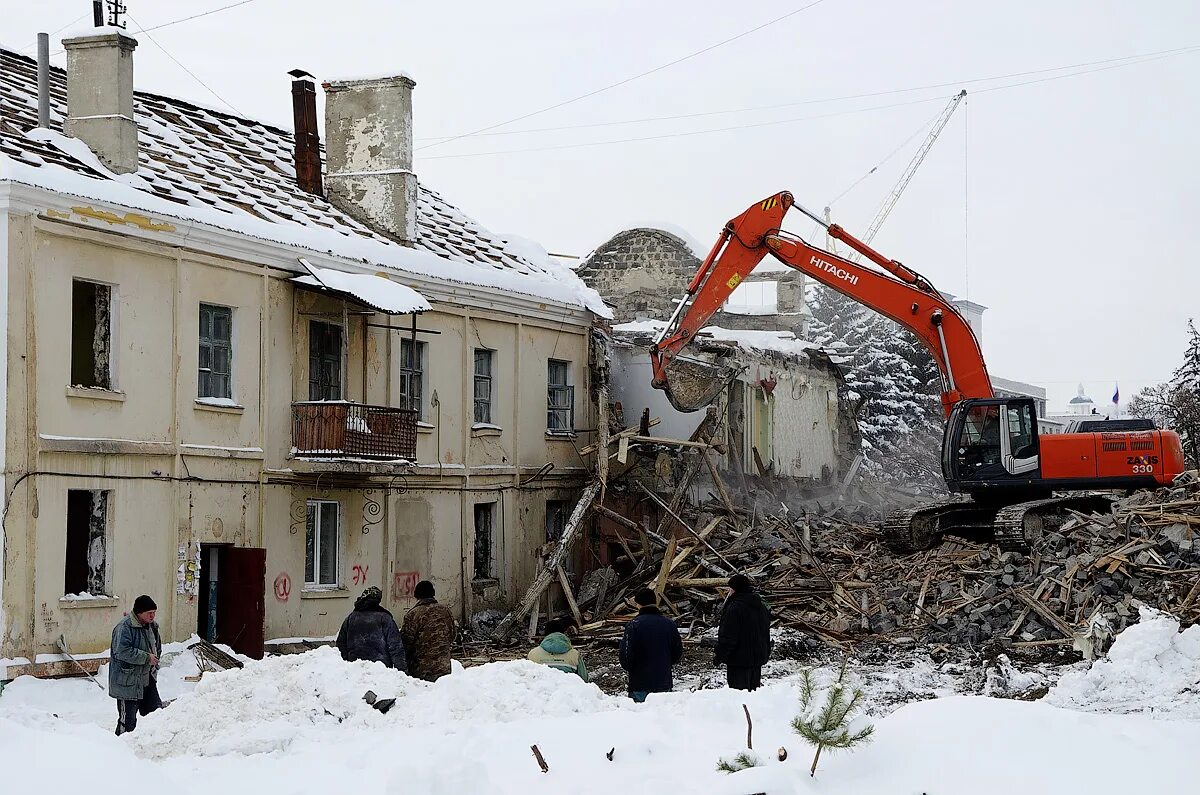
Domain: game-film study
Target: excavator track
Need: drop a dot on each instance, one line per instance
(922, 526)
(1017, 526)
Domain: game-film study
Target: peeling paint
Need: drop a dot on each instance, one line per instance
(128, 219)
(57, 214)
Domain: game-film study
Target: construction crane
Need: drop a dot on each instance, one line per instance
(894, 196)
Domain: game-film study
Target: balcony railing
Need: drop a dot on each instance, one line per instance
(335, 429)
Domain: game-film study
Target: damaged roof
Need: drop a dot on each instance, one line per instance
(233, 173)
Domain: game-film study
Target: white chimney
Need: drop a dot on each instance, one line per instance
(369, 153)
(100, 97)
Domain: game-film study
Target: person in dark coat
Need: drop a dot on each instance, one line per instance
(370, 633)
(649, 647)
(133, 664)
(744, 636)
(428, 634)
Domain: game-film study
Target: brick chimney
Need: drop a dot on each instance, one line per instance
(100, 97)
(369, 153)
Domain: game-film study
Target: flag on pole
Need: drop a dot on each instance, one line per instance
(1116, 394)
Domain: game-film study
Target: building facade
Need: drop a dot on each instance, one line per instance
(249, 400)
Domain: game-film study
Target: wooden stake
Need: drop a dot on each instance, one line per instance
(537, 754)
(570, 597)
(665, 569)
(749, 728)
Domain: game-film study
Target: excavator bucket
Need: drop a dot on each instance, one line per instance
(693, 384)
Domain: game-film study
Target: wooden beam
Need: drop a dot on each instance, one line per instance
(722, 491)
(544, 577)
(665, 569)
(685, 526)
(570, 597)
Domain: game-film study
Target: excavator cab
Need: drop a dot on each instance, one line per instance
(991, 443)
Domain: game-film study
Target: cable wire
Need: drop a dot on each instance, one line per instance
(179, 63)
(868, 95)
(627, 80)
(79, 18)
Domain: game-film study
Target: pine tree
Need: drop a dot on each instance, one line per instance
(894, 384)
(827, 716)
(1176, 403)
(742, 761)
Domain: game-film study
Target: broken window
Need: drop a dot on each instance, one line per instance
(557, 512)
(87, 543)
(321, 544)
(324, 361)
(483, 385)
(560, 397)
(216, 352)
(91, 334)
(484, 540)
(412, 371)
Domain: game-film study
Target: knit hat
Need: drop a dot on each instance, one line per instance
(424, 590)
(143, 604)
(371, 597)
(645, 597)
(740, 583)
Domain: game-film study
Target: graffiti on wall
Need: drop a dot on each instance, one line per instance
(360, 574)
(403, 584)
(283, 587)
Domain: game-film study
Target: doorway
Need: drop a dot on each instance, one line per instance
(232, 605)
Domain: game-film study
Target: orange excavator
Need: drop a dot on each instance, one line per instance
(991, 448)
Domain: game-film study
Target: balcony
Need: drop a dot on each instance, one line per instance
(336, 429)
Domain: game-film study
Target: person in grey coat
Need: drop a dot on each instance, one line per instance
(133, 664)
(370, 633)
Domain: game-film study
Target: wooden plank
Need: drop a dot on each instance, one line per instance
(665, 569)
(623, 450)
(591, 448)
(685, 526)
(544, 577)
(1043, 611)
(722, 491)
(570, 597)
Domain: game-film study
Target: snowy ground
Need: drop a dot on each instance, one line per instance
(297, 724)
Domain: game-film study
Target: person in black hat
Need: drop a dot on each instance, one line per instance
(370, 633)
(744, 635)
(649, 647)
(133, 664)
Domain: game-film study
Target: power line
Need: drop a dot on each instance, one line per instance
(79, 18)
(166, 25)
(881, 163)
(685, 134)
(664, 136)
(179, 63)
(627, 80)
(868, 95)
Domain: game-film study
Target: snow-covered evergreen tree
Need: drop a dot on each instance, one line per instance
(1176, 404)
(828, 716)
(894, 383)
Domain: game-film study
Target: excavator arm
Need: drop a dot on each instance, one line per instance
(898, 293)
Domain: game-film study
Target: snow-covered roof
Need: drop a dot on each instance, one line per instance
(217, 169)
(784, 342)
(374, 290)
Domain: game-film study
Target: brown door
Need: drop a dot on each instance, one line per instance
(241, 609)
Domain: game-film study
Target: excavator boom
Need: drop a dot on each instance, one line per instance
(897, 292)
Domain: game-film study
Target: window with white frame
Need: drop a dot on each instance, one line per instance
(412, 376)
(483, 385)
(215, 354)
(92, 325)
(560, 414)
(322, 544)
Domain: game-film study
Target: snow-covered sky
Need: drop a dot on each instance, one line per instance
(1067, 206)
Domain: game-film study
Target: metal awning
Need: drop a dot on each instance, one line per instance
(374, 291)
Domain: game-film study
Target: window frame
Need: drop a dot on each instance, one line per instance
(313, 508)
(107, 585)
(212, 342)
(412, 368)
(487, 509)
(562, 411)
(316, 357)
(113, 329)
(489, 356)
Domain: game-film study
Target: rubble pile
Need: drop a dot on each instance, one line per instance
(832, 576)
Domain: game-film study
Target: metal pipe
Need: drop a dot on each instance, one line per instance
(937, 324)
(43, 80)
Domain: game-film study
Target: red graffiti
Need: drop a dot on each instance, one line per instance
(360, 574)
(403, 584)
(283, 587)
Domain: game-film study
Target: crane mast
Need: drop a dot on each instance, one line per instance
(894, 196)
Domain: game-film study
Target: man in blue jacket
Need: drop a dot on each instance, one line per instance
(133, 664)
(370, 633)
(649, 647)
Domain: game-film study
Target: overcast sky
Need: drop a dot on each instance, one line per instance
(1067, 206)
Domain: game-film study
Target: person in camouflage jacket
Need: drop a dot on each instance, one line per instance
(428, 632)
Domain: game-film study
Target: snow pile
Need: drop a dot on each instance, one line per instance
(1152, 667)
(269, 705)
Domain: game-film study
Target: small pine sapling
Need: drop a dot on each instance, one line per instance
(742, 761)
(827, 716)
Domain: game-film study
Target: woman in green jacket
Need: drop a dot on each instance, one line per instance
(556, 650)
